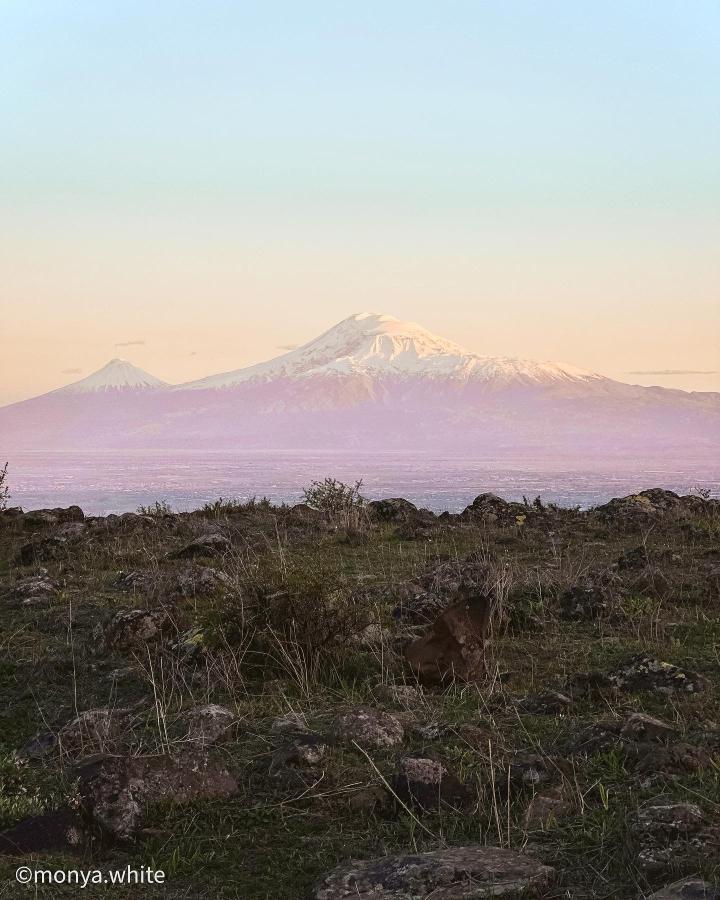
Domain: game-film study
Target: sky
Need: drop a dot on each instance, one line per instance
(196, 186)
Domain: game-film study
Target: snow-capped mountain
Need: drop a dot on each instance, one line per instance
(372, 382)
(117, 375)
(378, 346)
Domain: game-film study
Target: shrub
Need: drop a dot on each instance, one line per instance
(4, 491)
(343, 504)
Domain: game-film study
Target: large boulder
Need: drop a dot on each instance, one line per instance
(115, 790)
(458, 873)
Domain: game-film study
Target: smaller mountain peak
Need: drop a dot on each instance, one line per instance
(116, 375)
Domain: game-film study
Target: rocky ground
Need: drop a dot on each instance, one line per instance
(225, 695)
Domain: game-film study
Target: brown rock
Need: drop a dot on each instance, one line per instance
(454, 647)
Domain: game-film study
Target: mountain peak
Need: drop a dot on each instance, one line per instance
(116, 375)
(377, 346)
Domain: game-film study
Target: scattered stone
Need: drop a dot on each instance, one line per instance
(670, 819)
(592, 597)
(208, 724)
(369, 728)
(641, 727)
(304, 751)
(71, 531)
(35, 589)
(457, 873)
(206, 545)
(115, 790)
(289, 723)
(550, 702)
(395, 509)
(426, 783)
(133, 628)
(645, 673)
(200, 581)
(687, 889)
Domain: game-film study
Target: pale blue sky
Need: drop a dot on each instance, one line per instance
(531, 178)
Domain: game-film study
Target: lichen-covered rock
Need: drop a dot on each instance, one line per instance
(133, 628)
(369, 728)
(115, 790)
(303, 751)
(645, 673)
(208, 724)
(34, 589)
(592, 597)
(457, 873)
(426, 783)
(670, 819)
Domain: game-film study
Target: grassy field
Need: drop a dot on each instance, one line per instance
(304, 611)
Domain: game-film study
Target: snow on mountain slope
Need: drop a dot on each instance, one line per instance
(117, 375)
(374, 345)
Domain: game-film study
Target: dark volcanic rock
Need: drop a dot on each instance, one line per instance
(458, 873)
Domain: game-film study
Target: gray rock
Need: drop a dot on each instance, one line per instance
(645, 673)
(458, 873)
(641, 727)
(133, 628)
(115, 790)
(687, 889)
(670, 819)
(206, 545)
(304, 751)
(92, 731)
(289, 723)
(208, 724)
(370, 728)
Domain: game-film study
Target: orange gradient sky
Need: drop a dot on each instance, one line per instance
(194, 188)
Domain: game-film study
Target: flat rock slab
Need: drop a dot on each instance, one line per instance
(458, 873)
